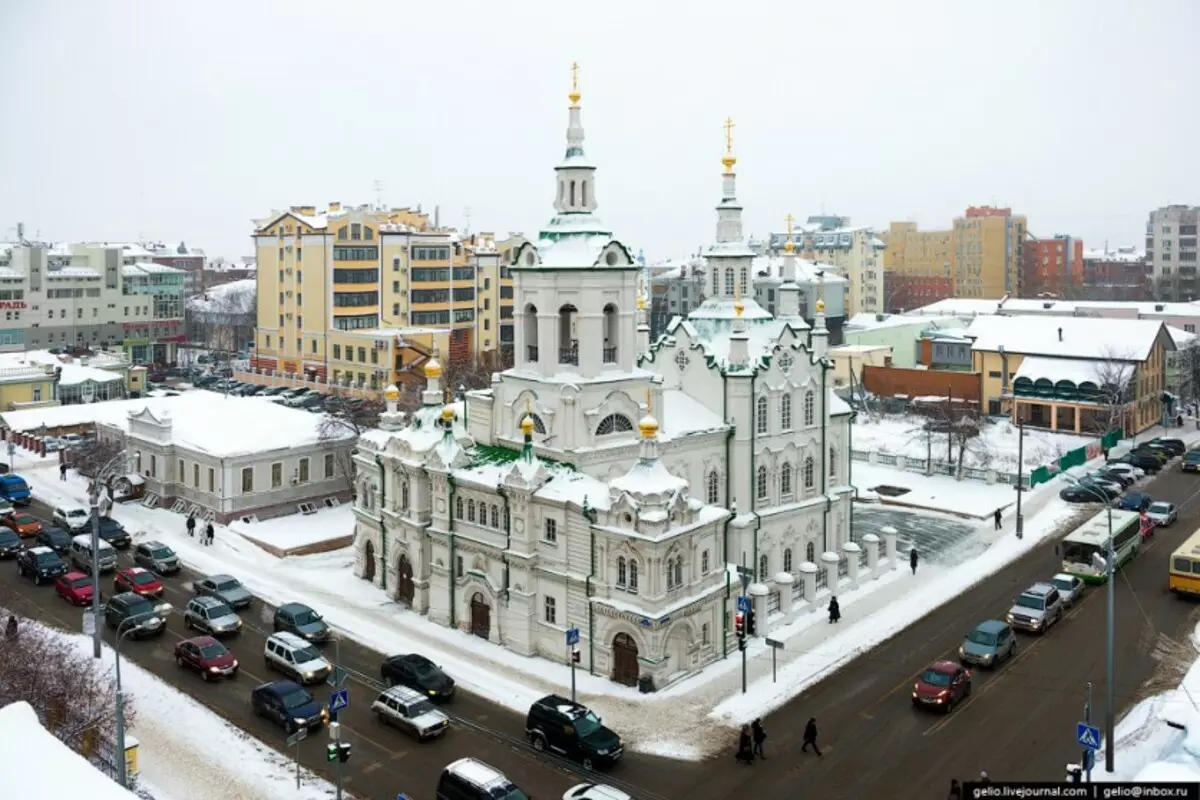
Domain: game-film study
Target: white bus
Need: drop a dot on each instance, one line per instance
(1084, 550)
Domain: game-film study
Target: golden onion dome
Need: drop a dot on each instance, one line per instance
(433, 369)
(739, 307)
(648, 426)
(391, 393)
(527, 425)
(448, 413)
(820, 306)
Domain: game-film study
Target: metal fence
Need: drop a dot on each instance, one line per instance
(798, 589)
(773, 603)
(843, 567)
(863, 558)
(820, 577)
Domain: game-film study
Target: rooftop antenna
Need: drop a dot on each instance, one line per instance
(378, 194)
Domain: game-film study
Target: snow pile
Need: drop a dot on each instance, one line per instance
(38, 760)
(995, 448)
(229, 299)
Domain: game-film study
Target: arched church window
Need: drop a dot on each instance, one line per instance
(404, 496)
(714, 488)
(529, 329)
(832, 463)
(761, 483)
(670, 574)
(785, 478)
(809, 408)
(572, 194)
(583, 201)
(704, 562)
(742, 280)
(458, 507)
(678, 571)
(633, 576)
(764, 571)
(495, 516)
(760, 414)
(729, 281)
(810, 553)
(785, 412)
(621, 575)
(614, 423)
(808, 472)
(716, 282)
(470, 511)
(787, 560)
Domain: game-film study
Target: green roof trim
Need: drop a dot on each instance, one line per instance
(498, 455)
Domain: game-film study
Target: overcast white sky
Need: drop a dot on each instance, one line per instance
(184, 120)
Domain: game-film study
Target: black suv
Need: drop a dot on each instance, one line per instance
(40, 563)
(572, 730)
(418, 672)
(56, 539)
(114, 533)
(1176, 446)
(145, 615)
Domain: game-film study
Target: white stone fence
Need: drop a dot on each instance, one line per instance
(785, 596)
(937, 467)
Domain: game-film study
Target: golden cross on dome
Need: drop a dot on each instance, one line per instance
(649, 401)
(528, 406)
(729, 135)
(575, 95)
(790, 219)
(789, 246)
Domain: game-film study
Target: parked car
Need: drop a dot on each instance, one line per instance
(15, 490)
(225, 588)
(275, 391)
(212, 616)
(417, 672)
(301, 620)
(156, 557)
(138, 580)
(595, 791)
(73, 518)
(410, 711)
(1163, 513)
(1146, 462)
(24, 524)
(1191, 461)
(76, 588)
(988, 644)
(942, 685)
(1135, 501)
(114, 533)
(56, 539)
(1176, 446)
(1075, 494)
(1114, 476)
(1137, 473)
(573, 730)
(1159, 451)
(132, 610)
(10, 543)
(1102, 490)
(289, 704)
(207, 656)
(1070, 588)
(41, 564)
(1037, 608)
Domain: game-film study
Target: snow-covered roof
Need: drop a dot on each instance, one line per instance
(1121, 254)
(235, 297)
(423, 434)
(220, 425)
(239, 265)
(577, 488)
(1076, 370)
(1082, 337)
(957, 306)
(714, 335)
(49, 762)
(142, 269)
(722, 308)
(649, 477)
(683, 415)
(74, 372)
(572, 251)
(965, 307)
(771, 268)
(870, 322)
(72, 272)
(1181, 337)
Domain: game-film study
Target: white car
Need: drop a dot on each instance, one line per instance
(6, 509)
(595, 791)
(1069, 586)
(1164, 514)
(1128, 469)
(72, 518)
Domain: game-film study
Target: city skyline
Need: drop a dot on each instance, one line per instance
(179, 140)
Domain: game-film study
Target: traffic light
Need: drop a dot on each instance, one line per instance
(739, 624)
(742, 643)
(337, 751)
(575, 656)
(750, 627)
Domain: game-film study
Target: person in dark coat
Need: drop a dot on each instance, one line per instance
(745, 751)
(996, 516)
(983, 777)
(10, 632)
(62, 471)
(955, 791)
(835, 610)
(912, 560)
(191, 524)
(209, 534)
(810, 737)
(759, 736)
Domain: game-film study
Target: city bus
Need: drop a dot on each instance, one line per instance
(1083, 550)
(1184, 576)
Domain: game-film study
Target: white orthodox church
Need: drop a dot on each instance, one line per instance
(606, 483)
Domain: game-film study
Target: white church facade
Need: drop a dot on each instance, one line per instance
(611, 484)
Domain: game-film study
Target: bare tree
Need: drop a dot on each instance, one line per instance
(961, 425)
(460, 376)
(223, 318)
(101, 459)
(74, 695)
(347, 416)
(1114, 379)
(1187, 370)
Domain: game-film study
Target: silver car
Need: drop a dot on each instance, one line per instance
(410, 711)
(1036, 608)
(1164, 514)
(225, 588)
(1069, 588)
(212, 616)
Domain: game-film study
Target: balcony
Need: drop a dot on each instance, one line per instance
(610, 356)
(531, 353)
(568, 355)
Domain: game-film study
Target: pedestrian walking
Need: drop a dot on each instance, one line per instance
(997, 517)
(191, 524)
(983, 778)
(955, 791)
(835, 610)
(62, 471)
(209, 534)
(745, 751)
(912, 560)
(11, 630)
(759, 736)
(810, 737)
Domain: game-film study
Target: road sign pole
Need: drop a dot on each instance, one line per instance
(773, 680)
(298, 764)
(1087, 717)
(572, 676)
(572, 651)
(1110, 711)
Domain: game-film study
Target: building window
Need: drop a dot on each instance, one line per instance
(613, 423)
(551, 610)
(458, 508)
(621, 574)
(633, 576)
(760, 415)
(37, 394)
(153, 466)
(678, 571)
(808, 472)
(832, 463)
(276, 475)
(809, 408)
(785, 412)
(785, 478)
(470, 511)
(713, 488)
(704, 562)
(196, 475)
(302, 471)
(729, 281)
(458, 566)
(247, 480)
(787, 559)
(763, 568)
(704, 640)
(760, 488)
(495, 516)
(181, 473)
(212, 480)
(810, 553)
(404, 496)
(670, 574)
(328, 465)
(551, 531)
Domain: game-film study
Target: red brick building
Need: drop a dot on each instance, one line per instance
(904, 292)
(1121, 274)
(185, 258)
(1053, 266)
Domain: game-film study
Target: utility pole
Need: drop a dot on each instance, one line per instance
(96, 626)
(1088, 755)
(1020, 477)
(950, 425)
(1110, 710)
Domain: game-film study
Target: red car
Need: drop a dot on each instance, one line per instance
(76, 588)
(943, 685)
(206, 655)
(139, 581)
(23, 524)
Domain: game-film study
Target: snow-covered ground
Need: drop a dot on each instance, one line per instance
(298, 530)
(969, 498)
(994, 448)
(186, 752)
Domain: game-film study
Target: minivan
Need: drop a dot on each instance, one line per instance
(291, 655)
(81, 554)
(15, 490)
(470, 779)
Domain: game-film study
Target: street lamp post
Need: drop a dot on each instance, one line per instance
(94, 503)
(122, 777)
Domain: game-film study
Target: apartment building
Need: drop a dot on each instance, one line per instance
(855, 253)
(189, 259)
(988, 252)
(327, 280)
(91, 295)
(220, 271)
(1119, 274)
(918, 266)
(1053, 266)
(1171, 252)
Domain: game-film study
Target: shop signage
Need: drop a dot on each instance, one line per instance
(12, 305)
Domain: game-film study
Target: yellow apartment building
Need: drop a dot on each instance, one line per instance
(328, 280)
(1082, 375)
(988, 252)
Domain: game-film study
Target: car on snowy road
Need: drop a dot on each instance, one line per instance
(942, 686)
(207, 656)
(56, 539)
(1070, 588)
(24, 524)
(114, 533)
(301, 620)
(76, 588)
(73, 518)
(417, 672)
(41, 564)
(1163, 513)
(225, 588)
(595, 791)
(10, 543)
(212, 616)
(139, 581)
(988, 644)
(288, 704)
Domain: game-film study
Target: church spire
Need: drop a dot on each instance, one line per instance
(789, 292)
(575, 176)
(729, 213)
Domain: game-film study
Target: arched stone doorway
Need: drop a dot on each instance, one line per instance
(481, 616)
(369, 562)
(405, 590)
(625, 668)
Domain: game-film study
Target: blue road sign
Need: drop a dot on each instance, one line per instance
(743, 604)
(1089, 760)
(1087, 735)
(339, 701)
(402, 796)
(572, 637)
